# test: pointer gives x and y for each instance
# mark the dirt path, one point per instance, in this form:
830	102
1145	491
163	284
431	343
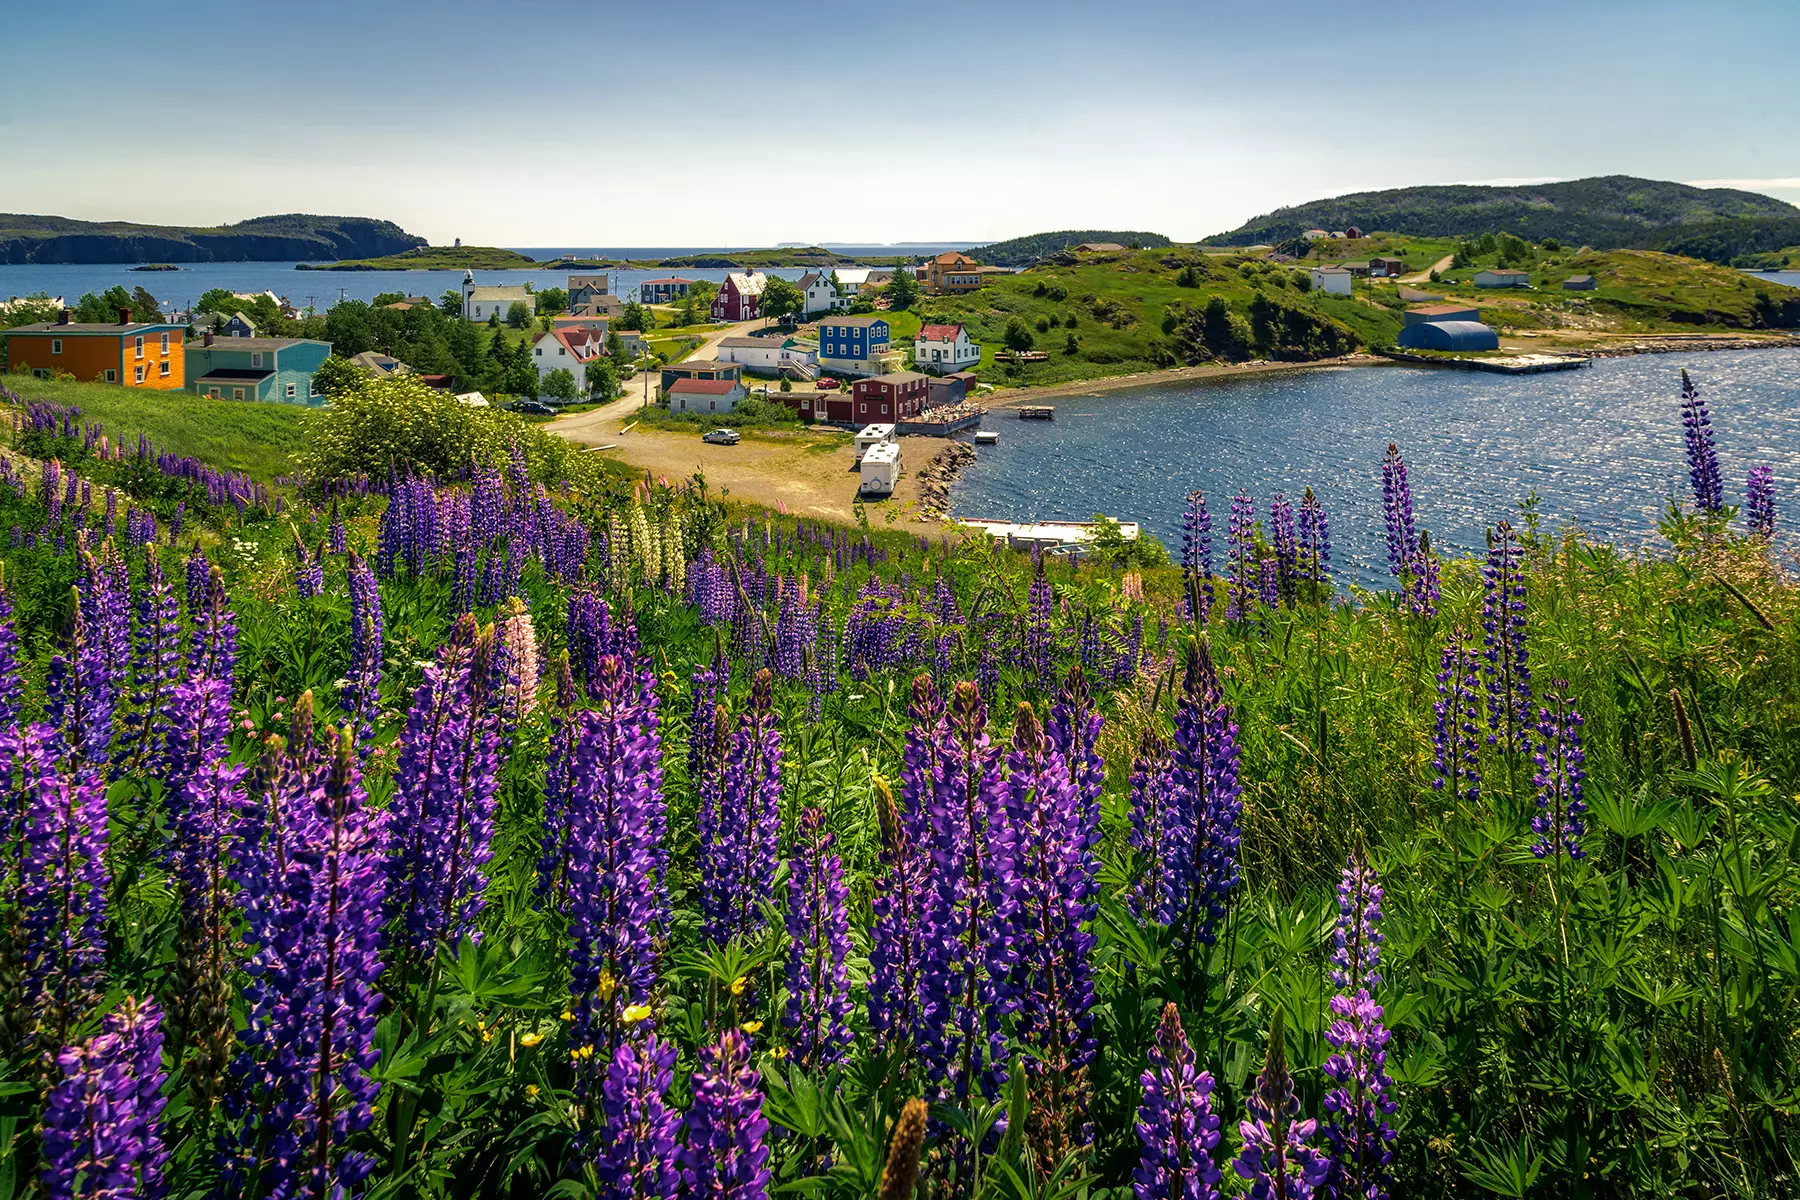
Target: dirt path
1440	266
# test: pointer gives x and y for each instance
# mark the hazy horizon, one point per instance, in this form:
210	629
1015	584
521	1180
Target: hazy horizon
608	125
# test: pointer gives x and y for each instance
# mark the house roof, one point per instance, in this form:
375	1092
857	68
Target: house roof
1093	246
939	333
1579	279
1502	271
748	283
499	293
896	377
705	387
952	258
582	343
859	322
1432	310
701	364
1355	265
369	360
255	343
75	328
856	276
234	375
670	279
810	278
752	343
1329	271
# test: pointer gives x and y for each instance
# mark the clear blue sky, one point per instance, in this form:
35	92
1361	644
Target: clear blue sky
710	123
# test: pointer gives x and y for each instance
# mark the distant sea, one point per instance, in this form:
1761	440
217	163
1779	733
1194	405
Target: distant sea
322	289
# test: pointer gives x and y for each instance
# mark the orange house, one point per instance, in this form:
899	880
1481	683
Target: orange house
136	354
951	272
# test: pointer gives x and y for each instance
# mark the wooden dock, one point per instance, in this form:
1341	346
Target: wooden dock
1037	412
1511	364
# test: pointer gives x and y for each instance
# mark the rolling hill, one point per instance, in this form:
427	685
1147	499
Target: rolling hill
1604	212
1023	251
292	236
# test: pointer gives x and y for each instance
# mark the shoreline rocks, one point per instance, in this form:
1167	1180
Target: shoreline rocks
936	476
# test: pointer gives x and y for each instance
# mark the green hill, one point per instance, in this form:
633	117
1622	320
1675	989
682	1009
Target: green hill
1605	212
435	258
1741	242
39	239
1023	251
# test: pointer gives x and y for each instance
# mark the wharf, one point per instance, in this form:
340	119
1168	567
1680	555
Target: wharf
1037	412
1511	364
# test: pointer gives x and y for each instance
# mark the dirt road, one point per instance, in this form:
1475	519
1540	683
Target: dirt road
1440	266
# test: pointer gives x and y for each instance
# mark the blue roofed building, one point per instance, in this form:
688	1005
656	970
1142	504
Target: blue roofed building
1448	335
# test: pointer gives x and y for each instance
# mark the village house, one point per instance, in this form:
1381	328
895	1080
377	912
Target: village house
410	303
704	395
822	296
146	354
769	357
664	291
1578	283
1501	277
588	293
1446	327
1335	280
378	364
481	303
1313	235
1359	269
896	396
1386	268
1353	232
856	346
238	326
1097	248
941	349
739	296
697	368
951	272
593	324
255	368
571	349
950	389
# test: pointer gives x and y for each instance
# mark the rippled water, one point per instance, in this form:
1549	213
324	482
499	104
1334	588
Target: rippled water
1600	446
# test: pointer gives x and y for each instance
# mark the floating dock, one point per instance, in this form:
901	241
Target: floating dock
1511	364
986	437
1049	535
1037	412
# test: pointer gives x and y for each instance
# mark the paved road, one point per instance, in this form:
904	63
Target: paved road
601	425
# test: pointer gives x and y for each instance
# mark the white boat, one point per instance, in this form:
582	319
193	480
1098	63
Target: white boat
986	437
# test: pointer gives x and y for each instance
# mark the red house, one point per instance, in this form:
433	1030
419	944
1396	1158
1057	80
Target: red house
739	296
884	399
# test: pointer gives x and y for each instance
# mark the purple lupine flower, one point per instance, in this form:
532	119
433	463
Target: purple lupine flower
1268	583
1176	1126
197	570
1506	659
359	694
1456	736
1044	854
616	906
1206	780
1759	501
62	889
1561	770
964	1049
1276	1159
309	571
10	683
1702	456
80	686
213	649
818	944
1360	1104
1196	559
442	812
1240	563
309	1044
1283	535
1039	604
1313	532
727	1154
339	540
1397	504
738	858
155	667
900	942
1160	840
103	1115
559	766
635	1158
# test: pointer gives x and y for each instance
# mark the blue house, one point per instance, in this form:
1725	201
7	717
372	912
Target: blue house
254	368
856	346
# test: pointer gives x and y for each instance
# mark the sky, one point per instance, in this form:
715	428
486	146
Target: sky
709	123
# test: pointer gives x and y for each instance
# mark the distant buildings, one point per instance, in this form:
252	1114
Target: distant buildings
739	296
951	273
1097	248
256	368
697	368
570	348
1386	268
1335	280
856	346
895	396
942	349
1313	235
768	356
136	354
238	326
822	296
704	395
1446	327
1579	283
664	291
378	364
588	293
1500	277
481	303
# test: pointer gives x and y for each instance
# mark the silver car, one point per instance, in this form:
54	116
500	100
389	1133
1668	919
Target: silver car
721	437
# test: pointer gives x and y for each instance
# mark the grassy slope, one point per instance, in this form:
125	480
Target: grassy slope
437	258
258	439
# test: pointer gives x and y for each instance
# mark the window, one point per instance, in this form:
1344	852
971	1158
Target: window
137	347
112	376
293	390
162	368
40	373
137	374
884	410
213	392
165	343
312	389
56	345
256	360
237	393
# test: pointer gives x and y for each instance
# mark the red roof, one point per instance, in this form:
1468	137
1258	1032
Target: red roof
940	333
706	387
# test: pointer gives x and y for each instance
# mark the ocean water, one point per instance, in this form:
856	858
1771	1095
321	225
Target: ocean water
320	289
1601	447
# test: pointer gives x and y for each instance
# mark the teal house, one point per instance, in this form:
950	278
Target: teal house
256	368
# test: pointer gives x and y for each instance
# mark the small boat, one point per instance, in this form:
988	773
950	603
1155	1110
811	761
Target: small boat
986	437
1037	412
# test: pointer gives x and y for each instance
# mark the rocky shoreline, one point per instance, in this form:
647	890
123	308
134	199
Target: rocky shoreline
1675	345
936	476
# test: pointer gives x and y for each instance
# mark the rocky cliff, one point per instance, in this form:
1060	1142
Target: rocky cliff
293	237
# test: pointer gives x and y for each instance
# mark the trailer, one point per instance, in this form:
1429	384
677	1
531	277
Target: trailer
881	469
870	436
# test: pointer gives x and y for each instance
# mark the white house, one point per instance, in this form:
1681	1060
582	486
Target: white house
571	349
704	395
765	356
941	349
1335	280
852	280
1502	278
480	303
821	294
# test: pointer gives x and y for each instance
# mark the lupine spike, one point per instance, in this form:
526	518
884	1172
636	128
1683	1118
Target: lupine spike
1277	1160
1456	735
1360	1104
103	1115
1561	770
1703	457
1176	1127
1506	658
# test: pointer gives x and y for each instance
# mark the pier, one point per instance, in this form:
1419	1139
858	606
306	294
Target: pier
1511	364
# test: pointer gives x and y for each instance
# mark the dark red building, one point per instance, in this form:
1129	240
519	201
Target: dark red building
885	399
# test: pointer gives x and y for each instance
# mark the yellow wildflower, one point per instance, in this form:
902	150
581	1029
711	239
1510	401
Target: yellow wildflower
751	1026
739	984
531	1091
635	1013
530	1039
605	986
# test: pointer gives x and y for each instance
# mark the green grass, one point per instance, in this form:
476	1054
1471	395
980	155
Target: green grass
257	439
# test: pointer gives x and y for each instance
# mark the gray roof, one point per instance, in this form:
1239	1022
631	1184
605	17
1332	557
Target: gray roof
255	343
234	375
96	327
754	343
1449	335
896	377
861	322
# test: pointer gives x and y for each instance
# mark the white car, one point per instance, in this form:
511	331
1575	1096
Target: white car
721	437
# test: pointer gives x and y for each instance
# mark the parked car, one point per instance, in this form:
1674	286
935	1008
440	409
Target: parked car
826	383
721	437
535	407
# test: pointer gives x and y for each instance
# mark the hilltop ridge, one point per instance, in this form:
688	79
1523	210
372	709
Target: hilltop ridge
27	238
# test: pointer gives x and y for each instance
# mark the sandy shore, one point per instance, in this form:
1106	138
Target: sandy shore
1008	397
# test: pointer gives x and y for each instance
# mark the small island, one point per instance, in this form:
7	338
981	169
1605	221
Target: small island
157	267
434	258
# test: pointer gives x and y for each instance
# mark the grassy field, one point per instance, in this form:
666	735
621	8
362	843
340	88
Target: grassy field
257	439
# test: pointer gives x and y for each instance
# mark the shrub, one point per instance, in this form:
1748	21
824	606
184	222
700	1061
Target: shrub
1018	335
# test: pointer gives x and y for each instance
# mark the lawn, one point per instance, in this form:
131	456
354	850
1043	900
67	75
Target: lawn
257	439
